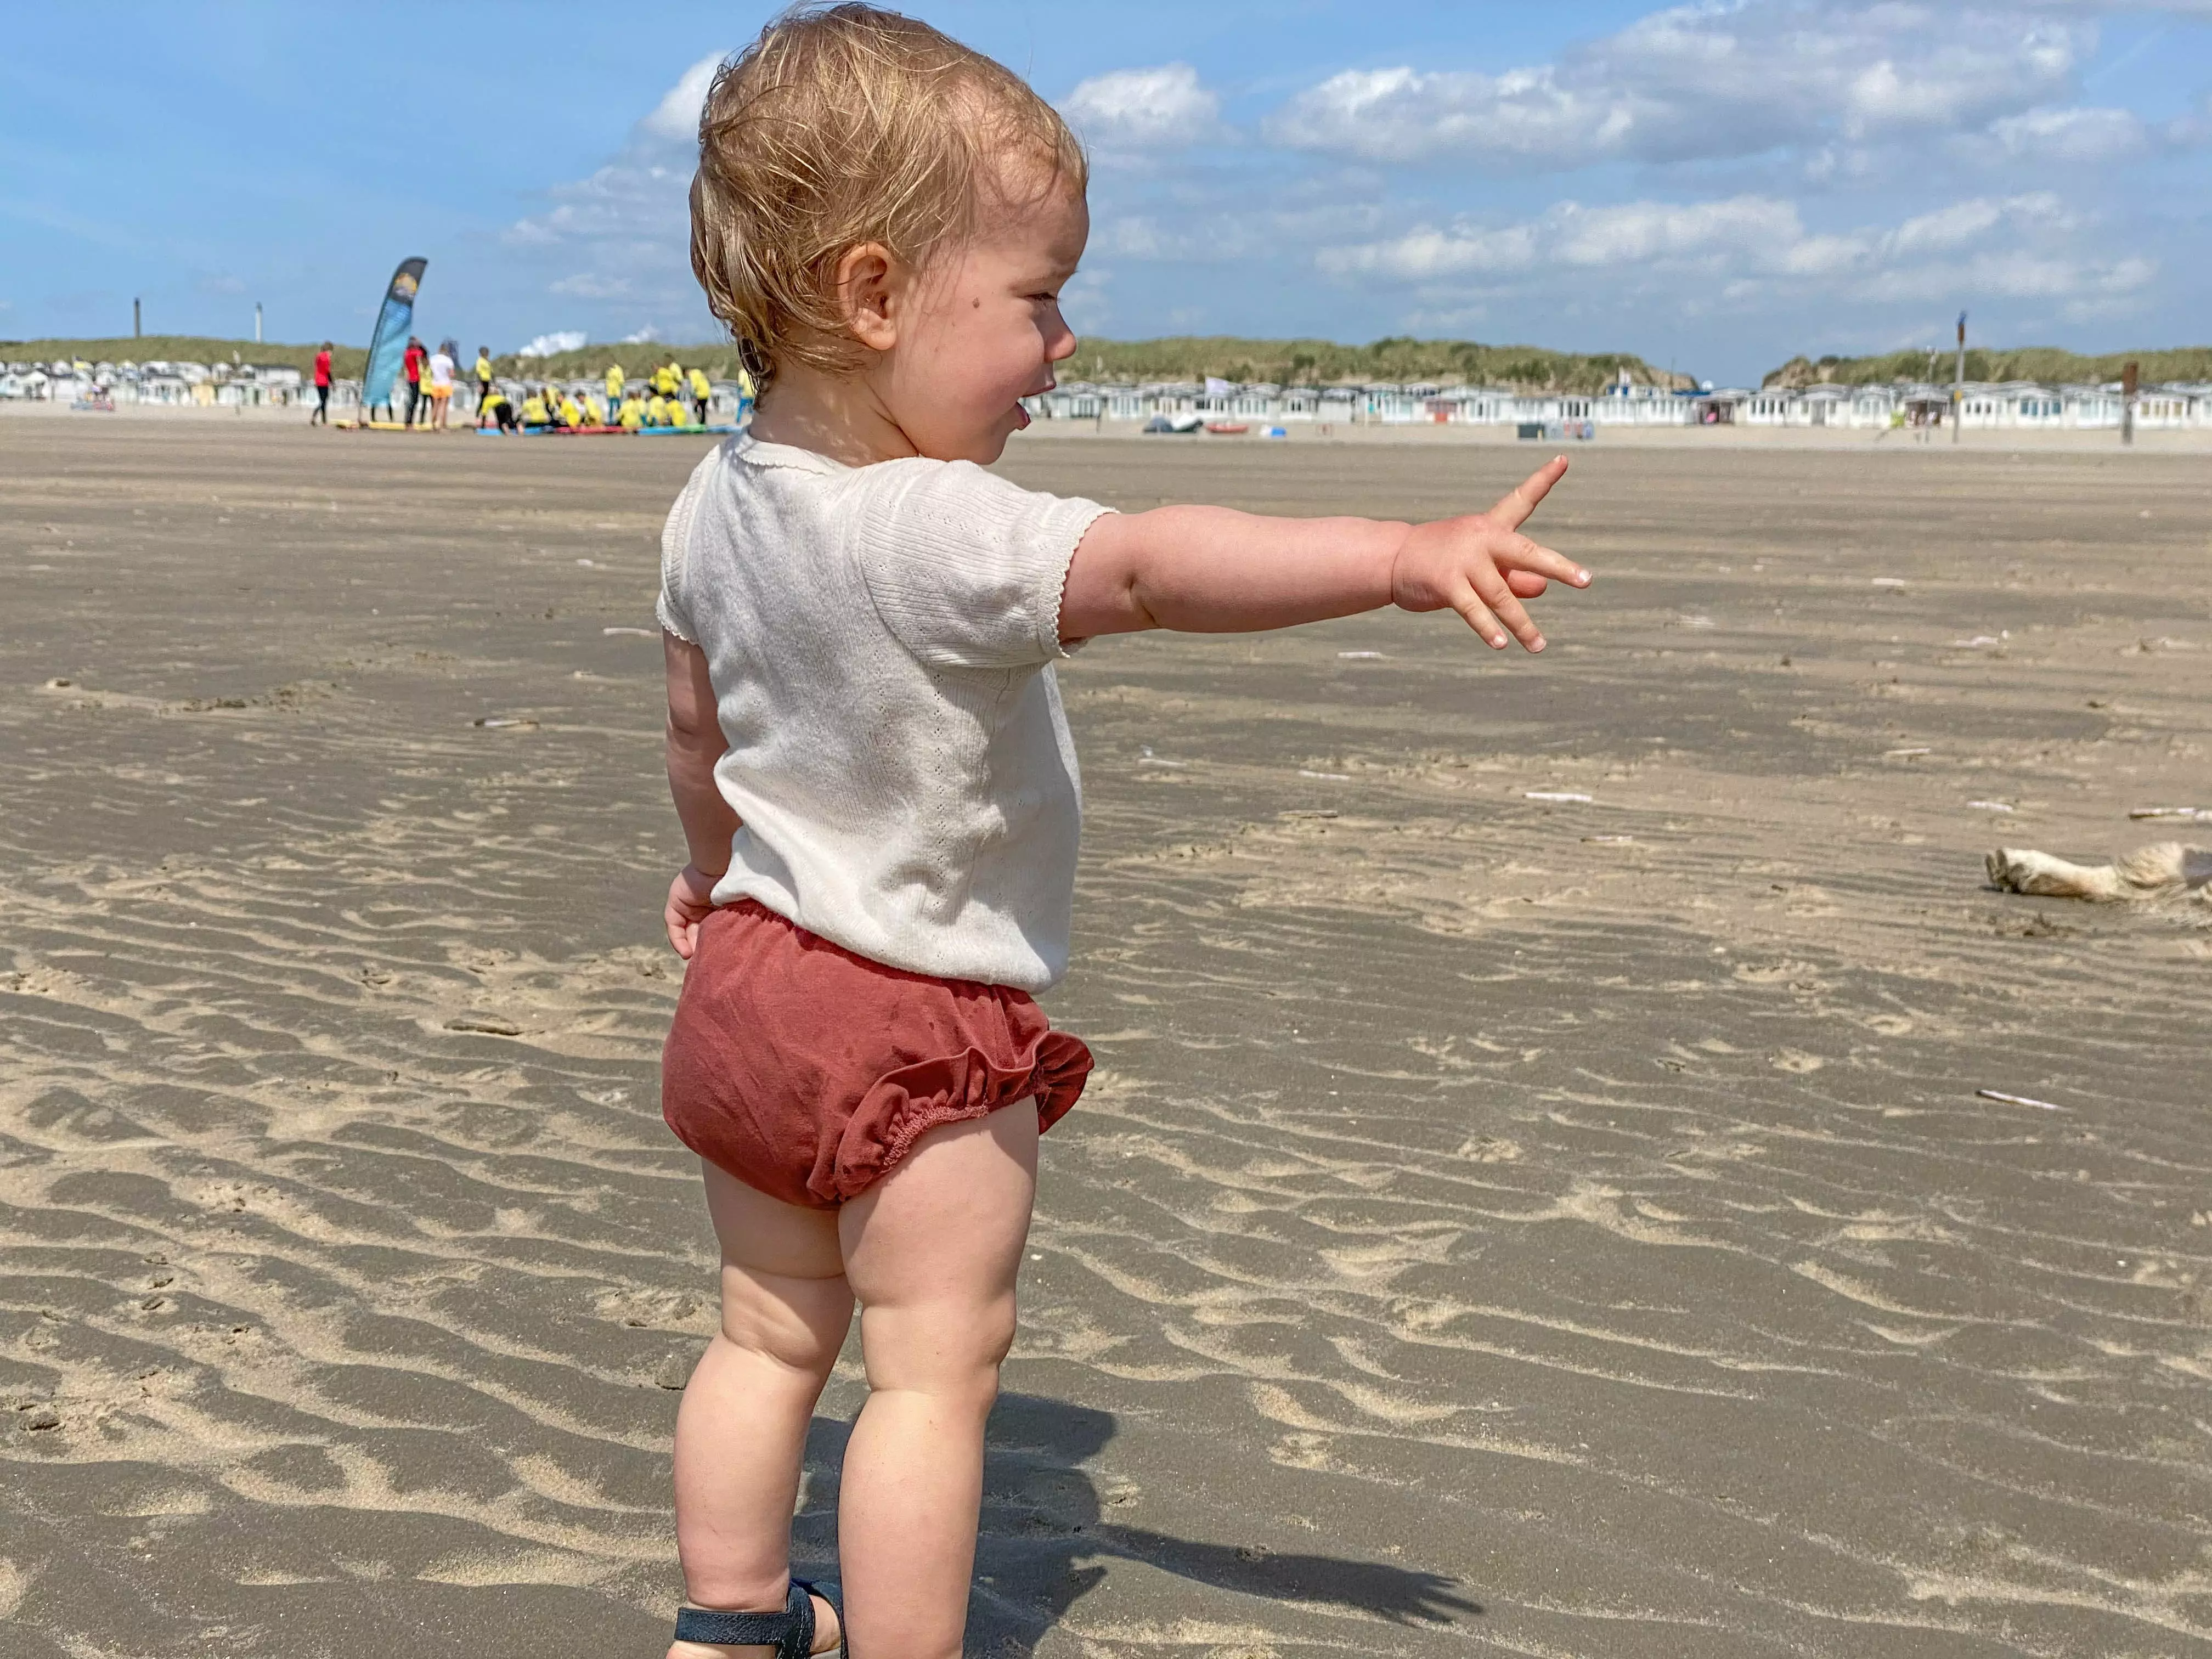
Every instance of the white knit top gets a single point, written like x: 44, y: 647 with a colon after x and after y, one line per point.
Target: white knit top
x: 880, y: 639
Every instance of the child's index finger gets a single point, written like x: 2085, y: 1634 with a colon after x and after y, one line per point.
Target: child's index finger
x: 1516, y: 504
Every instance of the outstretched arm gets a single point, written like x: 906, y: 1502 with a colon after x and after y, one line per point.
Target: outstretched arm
x: 1210, y: 570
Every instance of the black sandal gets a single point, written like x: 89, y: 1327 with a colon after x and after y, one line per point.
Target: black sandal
x: 790, y: 1633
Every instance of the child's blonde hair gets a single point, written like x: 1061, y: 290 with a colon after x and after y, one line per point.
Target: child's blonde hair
x: 844, y: 125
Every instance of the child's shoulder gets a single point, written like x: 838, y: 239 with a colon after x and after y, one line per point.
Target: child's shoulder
x: 892, y: 488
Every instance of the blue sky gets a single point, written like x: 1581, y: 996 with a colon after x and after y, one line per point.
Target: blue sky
x: 1713, y: 185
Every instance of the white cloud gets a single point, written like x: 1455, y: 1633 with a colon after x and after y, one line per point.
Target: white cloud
x: 1639, y: 231
x: 2023, y: 247
x: 1963, y: 223
x: 621, y: 236
x: 1160, y: 108
x: 1202, y: 226
x: 1630, y: 233
x: 2013, y: 275
x: 675, y: 118
x: 2077, y: 135
x: 2192, y: 128
x: 588, y: 287
x: 2113, y: 8
x: 1704, y: 81
x: 1427, y: 253
x: 551, y: 345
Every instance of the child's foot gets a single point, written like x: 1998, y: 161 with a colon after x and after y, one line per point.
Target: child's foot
x: 827, y: 1636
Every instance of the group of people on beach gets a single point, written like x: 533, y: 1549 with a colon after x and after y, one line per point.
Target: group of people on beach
x: 671, y: 397
x: 431, y: 376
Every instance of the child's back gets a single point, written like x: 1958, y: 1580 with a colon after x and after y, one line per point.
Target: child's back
x: 877, y: 639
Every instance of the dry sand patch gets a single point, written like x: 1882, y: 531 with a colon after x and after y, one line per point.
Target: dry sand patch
x: 1503, y: 1219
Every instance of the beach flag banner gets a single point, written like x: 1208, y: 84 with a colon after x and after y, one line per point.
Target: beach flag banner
x: 389, y: 343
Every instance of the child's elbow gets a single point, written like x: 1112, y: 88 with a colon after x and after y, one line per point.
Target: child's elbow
x: 694, y: 741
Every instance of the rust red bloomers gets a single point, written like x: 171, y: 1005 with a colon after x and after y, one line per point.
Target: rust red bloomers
x: 807, y: 1071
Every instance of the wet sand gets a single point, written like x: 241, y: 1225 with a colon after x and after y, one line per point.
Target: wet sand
x: 1555, y: 1227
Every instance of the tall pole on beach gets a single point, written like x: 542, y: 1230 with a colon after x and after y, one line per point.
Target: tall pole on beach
x: 1958, y: 383
x: 257, y: 322
x: 2130, y: 378
x: 136, y: 332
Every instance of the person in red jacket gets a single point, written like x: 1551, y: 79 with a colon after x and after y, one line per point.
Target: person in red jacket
x: 322, y: 409
x: 411, y: 366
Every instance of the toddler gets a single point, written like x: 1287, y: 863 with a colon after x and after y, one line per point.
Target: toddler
x: 879, y: 795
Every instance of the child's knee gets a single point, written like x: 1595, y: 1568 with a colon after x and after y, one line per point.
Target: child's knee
x: 941, y: 1350
x: 802, y: 1328
x: 801, y: 1349
x: 995, y: 1335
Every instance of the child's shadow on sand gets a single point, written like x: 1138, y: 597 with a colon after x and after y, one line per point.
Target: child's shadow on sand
x: 1045, y: 1538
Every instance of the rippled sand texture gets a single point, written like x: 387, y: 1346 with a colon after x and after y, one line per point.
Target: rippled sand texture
x: 1498, y: 1225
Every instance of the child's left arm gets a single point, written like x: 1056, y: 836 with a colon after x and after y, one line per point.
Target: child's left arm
x: 695, y: 743
x: 1210, y: 570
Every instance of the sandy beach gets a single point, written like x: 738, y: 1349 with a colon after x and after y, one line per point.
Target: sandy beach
x: 1534, y: 1199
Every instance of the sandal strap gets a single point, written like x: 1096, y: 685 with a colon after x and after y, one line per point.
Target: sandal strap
x: 830, y: 1594
x: 790, y: 1633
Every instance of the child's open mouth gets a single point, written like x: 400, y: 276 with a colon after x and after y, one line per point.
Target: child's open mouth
x: 1021, y: 417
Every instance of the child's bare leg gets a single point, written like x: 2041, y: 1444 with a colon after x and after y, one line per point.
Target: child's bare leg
x: 931, y: 1251
x: 741, y: 1430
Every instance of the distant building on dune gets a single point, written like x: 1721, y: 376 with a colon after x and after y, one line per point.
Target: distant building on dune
x: 2013, y: 405
x: 1626, y: 402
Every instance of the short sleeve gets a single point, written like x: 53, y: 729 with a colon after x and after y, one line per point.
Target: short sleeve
x: 965, y: 570
x: 673, y: 607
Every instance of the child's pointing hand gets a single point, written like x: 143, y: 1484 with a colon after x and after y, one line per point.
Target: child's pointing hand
x: 1482, y: 566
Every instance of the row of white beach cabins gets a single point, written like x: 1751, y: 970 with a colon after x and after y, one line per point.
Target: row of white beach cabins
x: 2013, y: 404
x: 182, y: 385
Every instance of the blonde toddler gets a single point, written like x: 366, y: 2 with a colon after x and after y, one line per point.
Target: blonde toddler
x: 879, y: 794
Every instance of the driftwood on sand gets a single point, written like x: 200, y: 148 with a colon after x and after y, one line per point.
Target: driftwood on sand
x: 2166, y: 870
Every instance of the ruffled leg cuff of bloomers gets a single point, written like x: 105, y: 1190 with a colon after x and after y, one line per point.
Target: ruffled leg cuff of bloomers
x: 1046, y: 1066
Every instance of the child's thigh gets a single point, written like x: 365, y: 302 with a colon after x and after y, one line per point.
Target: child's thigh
x: 942, y: 1234
x: 783, y: 1275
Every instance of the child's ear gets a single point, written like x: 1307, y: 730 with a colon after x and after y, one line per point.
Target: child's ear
x: 871, y: 284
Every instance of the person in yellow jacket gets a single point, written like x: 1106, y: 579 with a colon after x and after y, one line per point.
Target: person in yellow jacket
x: 656, y: 412
x: 533, y: 411
x: 668, y: 379
x: 633, y: 412
x: 484, y: 374
x: 615, y: 378
x: 572, y: 412
x: 494, y: 407
x: 702, y: 393
x: 595, y: 412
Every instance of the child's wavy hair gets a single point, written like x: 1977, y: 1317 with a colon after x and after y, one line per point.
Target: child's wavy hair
x: 844, y: 125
